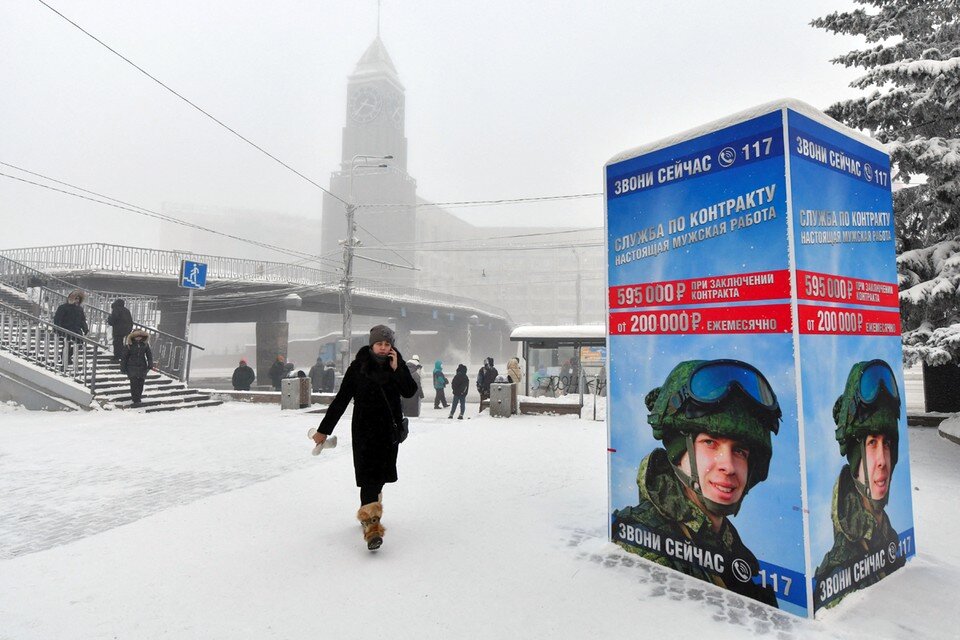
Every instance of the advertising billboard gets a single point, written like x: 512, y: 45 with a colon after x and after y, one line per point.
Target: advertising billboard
x: 715, y: 375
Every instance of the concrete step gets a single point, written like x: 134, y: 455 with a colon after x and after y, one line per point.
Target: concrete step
x: 186, y: 405
x: 122, y: 396
x: 175, y: 402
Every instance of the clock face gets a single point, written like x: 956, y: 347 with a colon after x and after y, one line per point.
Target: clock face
x: 394, y: 109
x: 365, y: 105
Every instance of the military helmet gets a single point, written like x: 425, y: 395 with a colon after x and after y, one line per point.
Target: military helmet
x: 870, y: 404
x: 728, y: 398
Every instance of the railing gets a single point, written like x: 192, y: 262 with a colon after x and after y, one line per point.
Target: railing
x: 171, y: 355
x: 23, y: 278
x: 138, y: 260
x: 38, y: 341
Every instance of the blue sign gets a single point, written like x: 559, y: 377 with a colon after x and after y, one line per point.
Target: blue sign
x: 193, y: 275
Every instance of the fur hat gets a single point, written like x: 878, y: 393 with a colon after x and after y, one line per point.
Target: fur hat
x: 382, y: 333
x: 415, y: 359
x: 137, y: 333
x: 76, y: 297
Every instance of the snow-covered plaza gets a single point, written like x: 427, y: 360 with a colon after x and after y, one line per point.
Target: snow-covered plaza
x: 217, y: 523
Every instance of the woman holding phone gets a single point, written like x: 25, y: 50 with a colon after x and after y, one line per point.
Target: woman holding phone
x: 375, y: 381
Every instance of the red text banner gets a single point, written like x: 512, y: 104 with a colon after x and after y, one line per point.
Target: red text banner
x: 833, y: 288
x: 740, y: 287
x: 768, y: 318
x: 845, y: 321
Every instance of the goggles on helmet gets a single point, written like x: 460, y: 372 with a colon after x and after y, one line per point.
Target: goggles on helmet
x: 712, y: 383
x: 877, y: 388
x: 876, y: 376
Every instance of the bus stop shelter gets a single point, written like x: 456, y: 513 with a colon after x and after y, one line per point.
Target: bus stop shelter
x: 564, y: 352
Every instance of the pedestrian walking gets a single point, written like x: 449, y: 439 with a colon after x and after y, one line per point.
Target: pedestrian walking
x: 243, y: 376
x: 411, y: 405
x: 376, y: 381
x: 121, y: 322
x: 136, y: 362
x: 440, y: 383
x: 459, y: 388
x: 277, y: 370
x: 71, y: 317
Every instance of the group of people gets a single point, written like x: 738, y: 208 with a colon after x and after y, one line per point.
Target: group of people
x: 131, y: 346
x: 322, y: 375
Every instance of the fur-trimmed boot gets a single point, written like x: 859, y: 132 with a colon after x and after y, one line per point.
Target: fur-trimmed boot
x: 369, y: 516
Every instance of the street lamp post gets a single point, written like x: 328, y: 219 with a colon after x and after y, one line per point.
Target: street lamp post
x: 349, y: 245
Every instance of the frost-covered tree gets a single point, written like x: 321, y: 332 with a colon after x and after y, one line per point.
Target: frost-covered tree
x: 912, y: 103
x: 929, y: 281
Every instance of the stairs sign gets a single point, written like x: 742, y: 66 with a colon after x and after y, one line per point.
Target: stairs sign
x: 193, y: 275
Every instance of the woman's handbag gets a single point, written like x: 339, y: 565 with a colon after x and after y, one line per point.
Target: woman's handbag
x: 400, y: 430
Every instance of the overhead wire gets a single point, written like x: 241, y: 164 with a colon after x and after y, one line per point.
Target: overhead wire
x: 192, y: 104
x: 477, y: 203
x: 133, y: 208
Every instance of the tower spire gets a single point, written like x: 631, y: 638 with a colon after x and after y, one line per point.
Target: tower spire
x: 378, y: 18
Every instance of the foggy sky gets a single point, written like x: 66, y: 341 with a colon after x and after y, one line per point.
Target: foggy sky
x: 503, y: 99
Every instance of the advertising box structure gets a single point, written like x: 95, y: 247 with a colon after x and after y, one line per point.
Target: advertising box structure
x: 757, y: 430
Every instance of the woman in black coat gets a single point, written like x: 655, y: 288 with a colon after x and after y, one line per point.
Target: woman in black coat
x: 375, y: 381
x: 136, y: 362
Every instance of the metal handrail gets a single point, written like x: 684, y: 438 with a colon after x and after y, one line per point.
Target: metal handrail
x: 171, y: 353
x: 123, y: 259
x: 56, y: 349
x: 23, y: 277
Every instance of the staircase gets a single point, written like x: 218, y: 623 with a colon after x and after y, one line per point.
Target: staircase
x: 160, y: 392
x: 27, y: 332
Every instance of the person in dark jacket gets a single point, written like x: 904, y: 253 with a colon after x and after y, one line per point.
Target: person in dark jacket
x: 70, y: 316
x: 485, y: 377
x: 277, y: 371
x: 440, y: 383
x: 243, y: 376
x: 375, y: 381
x: 136, y: 362
x: 459, y: 388
x: 329, y: 380
x: 122, y: 323
x: 411, y: 406
x: 316, y: 376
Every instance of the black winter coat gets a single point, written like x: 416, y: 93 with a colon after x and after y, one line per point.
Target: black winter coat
x: 329, y: 380
x: 486, y: 377
x: 316, y: 376
x: 277, y: 372
x: 243, y: 377
x: 120, y: 319
x: 137, y: 359
x: 375, y: 390
x: 461, y: 383
x: 71, y: 317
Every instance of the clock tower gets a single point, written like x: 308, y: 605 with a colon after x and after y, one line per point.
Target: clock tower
x: 374, y: 127
x: 375, y: 109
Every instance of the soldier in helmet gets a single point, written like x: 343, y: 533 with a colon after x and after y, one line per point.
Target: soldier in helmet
x: 866, y: 416
x: 714, y: 418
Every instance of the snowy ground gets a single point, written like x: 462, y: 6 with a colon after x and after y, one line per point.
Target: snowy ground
x: 217, y: 523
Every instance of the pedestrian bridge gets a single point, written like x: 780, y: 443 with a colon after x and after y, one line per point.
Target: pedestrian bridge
x: 258, y: 291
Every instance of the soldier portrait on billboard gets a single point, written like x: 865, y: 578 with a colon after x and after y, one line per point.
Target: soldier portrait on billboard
x: 715, y: 419
x: 865, y: 543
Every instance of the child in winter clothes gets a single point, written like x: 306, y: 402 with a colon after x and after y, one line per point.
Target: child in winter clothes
x: 459, y: 388
x: 439, y: 384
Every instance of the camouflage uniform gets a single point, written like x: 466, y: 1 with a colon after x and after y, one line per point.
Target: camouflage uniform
x: 857, y: 533
x: 664, y: 508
